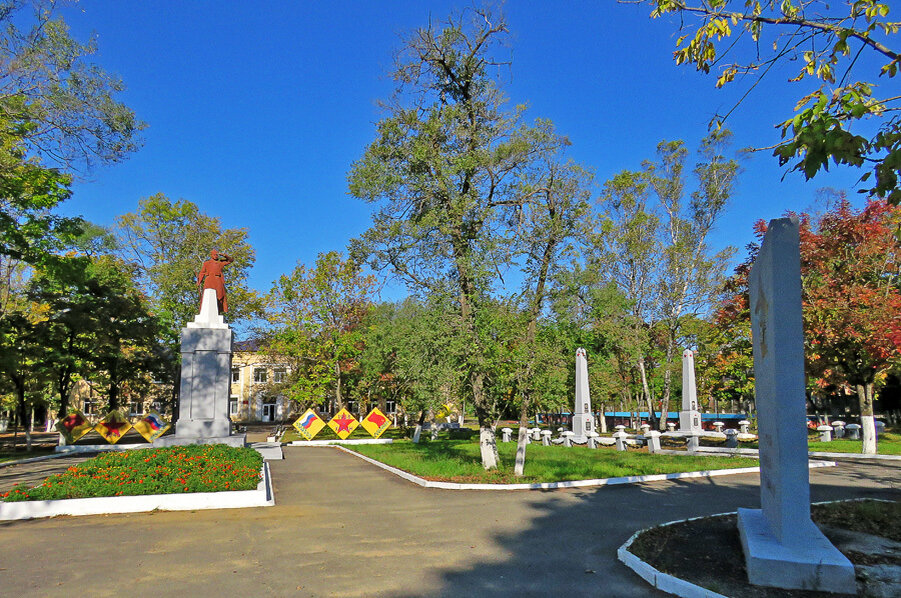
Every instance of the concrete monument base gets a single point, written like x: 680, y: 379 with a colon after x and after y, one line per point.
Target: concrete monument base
x: 811, y: 562
x: 690, y: 421
x: 206, y: 354
x: 238, y: 440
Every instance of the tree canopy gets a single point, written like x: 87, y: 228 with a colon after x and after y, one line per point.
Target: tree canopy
x: 844, y: 47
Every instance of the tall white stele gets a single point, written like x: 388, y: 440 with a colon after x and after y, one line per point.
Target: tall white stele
x: 582, y: 417
x: 783, y: 547
x: 689, y: 417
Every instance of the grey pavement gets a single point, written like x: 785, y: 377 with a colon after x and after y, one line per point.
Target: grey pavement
x: 342, y: 527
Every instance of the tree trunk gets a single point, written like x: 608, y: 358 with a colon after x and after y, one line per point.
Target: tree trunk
x: 339, y: 400
x: 602, y: 421
x: 487, y: 441
x: 520, y: 464
x: 418, y: 431
x: 867, y: 420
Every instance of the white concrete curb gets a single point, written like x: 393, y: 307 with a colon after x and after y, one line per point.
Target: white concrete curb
x: 679, y: 587
x: 71, y: 449
x: 856, y: 456
x: 568, y: 484
x: 261, y: 497
x: 341, y: 442
x: 660, y: 580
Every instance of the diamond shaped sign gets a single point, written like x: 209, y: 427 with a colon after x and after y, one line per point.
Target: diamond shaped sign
x: 309, y: 424
x: 113, y: 427
x: 74, y: 426
x: 376, y: 423
x: 343, y: 424
x: 151, y: 426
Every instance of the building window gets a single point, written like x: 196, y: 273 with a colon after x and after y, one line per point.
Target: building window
x: 391, y: 406
x: 259, y: 375
x: 135, y: 408
x: 279, y: 375
x: 236, y: 375
x: 90, y: 406
x: 233, y: 405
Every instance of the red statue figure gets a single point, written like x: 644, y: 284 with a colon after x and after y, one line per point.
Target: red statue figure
x: 210, y: 277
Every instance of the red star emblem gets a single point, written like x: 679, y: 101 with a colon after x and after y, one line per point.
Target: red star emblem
x: 344, y: 423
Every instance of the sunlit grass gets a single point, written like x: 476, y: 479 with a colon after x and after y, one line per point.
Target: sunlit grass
x: 888, y: 443
x: 459, y: 461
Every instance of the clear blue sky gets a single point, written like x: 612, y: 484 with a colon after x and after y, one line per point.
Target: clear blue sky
x: 257, y: 110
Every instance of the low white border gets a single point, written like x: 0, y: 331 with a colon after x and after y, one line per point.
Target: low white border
x: 340, y: 442
x: 660, y: 580
x: 261, y: 497
x: 635, y: 479
x: 679, y: 587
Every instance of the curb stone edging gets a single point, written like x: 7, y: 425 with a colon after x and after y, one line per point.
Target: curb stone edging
x: 340, y: 442
x: 679, y: 587
x: 567, y: 484
x: 261, y: 497
x: 660, y: 580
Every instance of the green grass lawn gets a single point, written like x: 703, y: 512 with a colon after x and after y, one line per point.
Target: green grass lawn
x: 887, y: 444
x: 458, y: 461
x: 206, y: 468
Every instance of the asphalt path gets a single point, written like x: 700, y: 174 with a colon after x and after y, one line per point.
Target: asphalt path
x: 342, y: 527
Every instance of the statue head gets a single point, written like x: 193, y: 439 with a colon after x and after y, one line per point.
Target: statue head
x: 214, y: 254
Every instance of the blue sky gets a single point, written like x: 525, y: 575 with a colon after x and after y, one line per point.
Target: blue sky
x: 257, y: 110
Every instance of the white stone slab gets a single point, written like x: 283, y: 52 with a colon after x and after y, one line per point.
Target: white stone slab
x: 781, y: 544
x: 262, y: 496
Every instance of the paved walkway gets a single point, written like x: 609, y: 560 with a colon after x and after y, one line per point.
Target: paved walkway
x: 341, y: 527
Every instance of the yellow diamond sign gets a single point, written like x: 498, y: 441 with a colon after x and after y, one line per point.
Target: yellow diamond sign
x: 376, y: 423
x: 343, y: 424
x: 309, y: 424
x: 151, y: 426
x: 113, y: 427
x: 74, y: 426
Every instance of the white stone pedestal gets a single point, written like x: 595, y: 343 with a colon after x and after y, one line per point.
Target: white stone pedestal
x: 206, y: 353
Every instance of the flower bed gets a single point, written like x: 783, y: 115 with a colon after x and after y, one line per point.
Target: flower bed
x: 171, y: 470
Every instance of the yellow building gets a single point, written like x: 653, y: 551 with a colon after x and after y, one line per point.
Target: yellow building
x: 255, y: 378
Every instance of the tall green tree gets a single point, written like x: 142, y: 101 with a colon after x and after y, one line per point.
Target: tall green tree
x: 658, y: 253
x: 443, y: 170
x: 47, y: 79
x: 168, y: 242
x: 844, y: 47
x: 317, y: 316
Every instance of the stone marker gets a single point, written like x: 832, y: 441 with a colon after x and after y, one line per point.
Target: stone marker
x: 593, y: 440
x: 744, y: 426
x: 782, y: 546
x: 505, y: 434
x: 880, y: 428
x: 839, y: 428
x: 567, y: 437
x: 653, y: 441
x: 582, y: 419
x: 852, y: 431
x: 693, y: 441
x: 536, y: 433
x: 670, y: 426
x: 206, y: 355
x: 546, y: 437
x: 825, y: 433
x: 645, y: 428
x: 718, y: 426
x: 731, y: 438
x: 620, y: 428
x: 689, y: 417
x: 620, y: 437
